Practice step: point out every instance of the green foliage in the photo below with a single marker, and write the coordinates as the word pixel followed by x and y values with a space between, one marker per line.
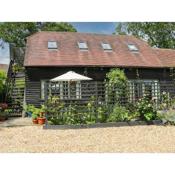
pixel 59 27
pixel 17 32
pixel 54 110
pixel 2 84
pixel 90 116
pixel 17 68
pixel 116 84
pixel 133 112
pixel 29 108
pixel 118 114
pixel 2 80
pixel 145 107
pixel 102 113
pixel 59 113
pixel 116 77
pixel 167 116
pixel 165 101
pixel 158 34
pixel 35 112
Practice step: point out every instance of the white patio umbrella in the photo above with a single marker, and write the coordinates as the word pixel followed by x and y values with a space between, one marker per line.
pixel 70 76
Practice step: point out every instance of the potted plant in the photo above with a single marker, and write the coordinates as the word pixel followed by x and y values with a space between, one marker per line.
pixel 34 119
pixel 29 110
pixel 41 117
pixel 35 115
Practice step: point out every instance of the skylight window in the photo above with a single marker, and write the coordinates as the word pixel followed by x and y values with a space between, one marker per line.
pixel 106 46
pixel 82 45
pixel 132 47
pixel 52 45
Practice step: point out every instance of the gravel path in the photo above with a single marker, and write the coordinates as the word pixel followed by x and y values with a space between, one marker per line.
pixel 116 139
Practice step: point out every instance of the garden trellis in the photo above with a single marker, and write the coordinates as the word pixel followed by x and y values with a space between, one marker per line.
pixel 96 100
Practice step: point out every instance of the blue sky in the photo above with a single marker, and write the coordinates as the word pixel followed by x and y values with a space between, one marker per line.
pixel 95 27
pixel 87 27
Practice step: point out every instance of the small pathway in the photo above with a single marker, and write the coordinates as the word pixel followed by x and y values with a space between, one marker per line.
pixel 16 121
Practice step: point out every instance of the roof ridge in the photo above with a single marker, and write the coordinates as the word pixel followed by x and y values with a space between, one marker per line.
pixel 164 49
pixel 85 33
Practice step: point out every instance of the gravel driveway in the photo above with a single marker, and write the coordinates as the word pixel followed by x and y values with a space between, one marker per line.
pixel 116 139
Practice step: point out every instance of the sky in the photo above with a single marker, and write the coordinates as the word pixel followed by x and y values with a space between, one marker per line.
pixel 85 27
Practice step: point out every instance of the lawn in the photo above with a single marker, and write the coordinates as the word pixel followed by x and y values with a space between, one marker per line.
pixel 114 139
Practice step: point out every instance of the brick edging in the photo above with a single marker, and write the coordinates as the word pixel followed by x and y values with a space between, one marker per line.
pixel 103 125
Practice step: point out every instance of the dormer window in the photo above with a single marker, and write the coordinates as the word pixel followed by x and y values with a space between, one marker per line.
pixel 52 45
pixel 82 46
pixel 133 47
pixel 106 46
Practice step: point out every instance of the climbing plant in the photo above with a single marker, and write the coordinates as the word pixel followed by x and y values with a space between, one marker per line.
pixel 116 84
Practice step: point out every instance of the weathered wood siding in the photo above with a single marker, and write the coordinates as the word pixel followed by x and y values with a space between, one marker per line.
pixel 35 75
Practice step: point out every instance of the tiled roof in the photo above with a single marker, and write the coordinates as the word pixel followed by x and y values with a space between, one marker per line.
pixel 166 56
pixel 68 53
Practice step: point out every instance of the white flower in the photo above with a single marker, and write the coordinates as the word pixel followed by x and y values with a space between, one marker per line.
pixel 164 93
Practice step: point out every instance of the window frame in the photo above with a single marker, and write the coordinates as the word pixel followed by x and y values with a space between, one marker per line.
pixel 52 48
pixel 78 93
pixel 82 48
pixel 106 49
pixel 135 49
pixel 155 88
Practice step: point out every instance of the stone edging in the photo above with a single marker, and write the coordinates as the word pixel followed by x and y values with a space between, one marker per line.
pixel 103 125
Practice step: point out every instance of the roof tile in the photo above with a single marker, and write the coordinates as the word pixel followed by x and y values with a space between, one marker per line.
pixel 68 53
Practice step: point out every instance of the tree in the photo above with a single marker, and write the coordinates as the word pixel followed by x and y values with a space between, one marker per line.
pixel 16 32
pixel 53 26
pixel 158 34
pixel 121 28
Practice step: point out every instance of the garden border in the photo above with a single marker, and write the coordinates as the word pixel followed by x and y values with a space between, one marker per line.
pixel 102 125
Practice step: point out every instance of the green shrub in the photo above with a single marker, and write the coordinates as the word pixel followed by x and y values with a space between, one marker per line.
pixel 118 114
pixel 116 85
pixel 90 113
pixel 102 113
pixel 166 101
pixel 133 112
pixel 146 109
pixel 167 116
pixel 54 110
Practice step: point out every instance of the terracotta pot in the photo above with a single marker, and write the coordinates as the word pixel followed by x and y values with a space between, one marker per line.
pixel 41 120
pixel 35 121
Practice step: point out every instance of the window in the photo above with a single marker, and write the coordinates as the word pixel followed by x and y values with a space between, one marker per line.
pixel 52 45
pixel 106 46
pixel 66 90
pixel 70 90
pixel 139 88
pixel 43 85
pixel 82 45
pixel 132 47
